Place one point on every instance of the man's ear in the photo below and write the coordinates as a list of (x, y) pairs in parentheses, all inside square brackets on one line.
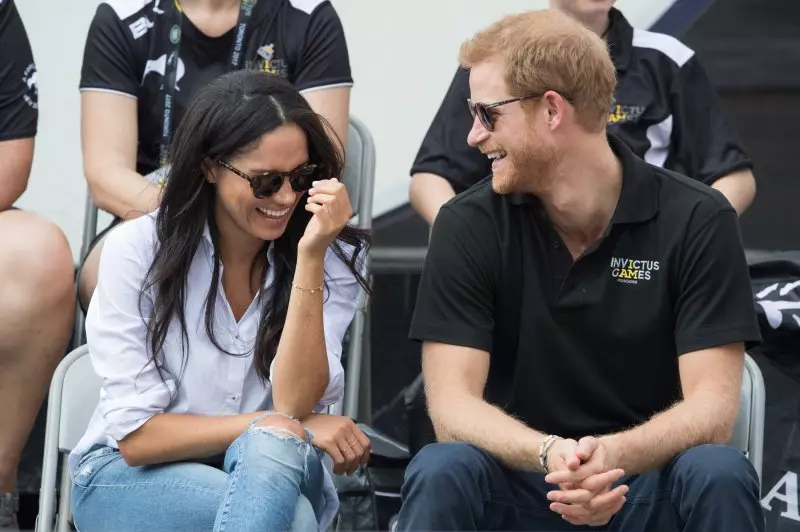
[(555, 105)]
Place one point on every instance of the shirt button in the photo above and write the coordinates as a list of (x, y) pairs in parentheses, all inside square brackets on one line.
[(556, 244)]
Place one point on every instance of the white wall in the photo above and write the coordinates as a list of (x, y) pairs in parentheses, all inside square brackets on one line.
[(403, 56)]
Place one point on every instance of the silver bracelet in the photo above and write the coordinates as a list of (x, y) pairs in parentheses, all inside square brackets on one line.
[(546, 443)]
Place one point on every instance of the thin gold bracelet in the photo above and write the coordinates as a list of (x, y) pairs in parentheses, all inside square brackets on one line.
[(309, 290)]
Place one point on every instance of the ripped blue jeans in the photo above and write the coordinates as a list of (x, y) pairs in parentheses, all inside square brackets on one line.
[(271, 480)]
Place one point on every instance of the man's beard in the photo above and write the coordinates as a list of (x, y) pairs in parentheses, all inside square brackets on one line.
[(528, 168)]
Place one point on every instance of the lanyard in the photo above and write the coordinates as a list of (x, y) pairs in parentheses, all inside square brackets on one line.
[(171, 67)]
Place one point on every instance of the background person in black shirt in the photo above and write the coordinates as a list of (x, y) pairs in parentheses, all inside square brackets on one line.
[(123, 77), (665, 108), (37, 294), (583, 316)]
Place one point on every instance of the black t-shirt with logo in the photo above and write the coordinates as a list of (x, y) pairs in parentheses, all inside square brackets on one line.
[(301, 40), (19, 101), (665, 109), (588, 346)]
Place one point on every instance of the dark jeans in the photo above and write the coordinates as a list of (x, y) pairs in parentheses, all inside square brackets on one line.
[(456, 486)]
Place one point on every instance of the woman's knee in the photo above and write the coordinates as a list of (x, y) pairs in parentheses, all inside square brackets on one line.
[(279, 424)]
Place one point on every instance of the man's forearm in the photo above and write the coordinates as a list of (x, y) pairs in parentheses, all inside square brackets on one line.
[(739, 188), (427, 194), (703, 419), (472, 420)]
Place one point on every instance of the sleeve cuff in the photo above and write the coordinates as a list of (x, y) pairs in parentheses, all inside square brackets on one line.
[(122, 417), (474, 339), (709, 338)]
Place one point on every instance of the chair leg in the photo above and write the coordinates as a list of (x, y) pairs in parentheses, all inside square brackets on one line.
[(64, 518)]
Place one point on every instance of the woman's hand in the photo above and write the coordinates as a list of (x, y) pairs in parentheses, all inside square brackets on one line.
[(330, 205), (341, 438)]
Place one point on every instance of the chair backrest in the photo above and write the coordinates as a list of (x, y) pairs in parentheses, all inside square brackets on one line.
[(359, 173), (748, 432), (80, 393)]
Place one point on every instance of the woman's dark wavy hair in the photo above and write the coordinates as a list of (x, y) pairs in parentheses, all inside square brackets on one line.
[(226, 118)]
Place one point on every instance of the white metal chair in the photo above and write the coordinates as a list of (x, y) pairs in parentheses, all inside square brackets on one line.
[(359, 178), (748, 433), (74, 393)]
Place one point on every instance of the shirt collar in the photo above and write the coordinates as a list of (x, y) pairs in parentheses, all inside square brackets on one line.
[(620, 39), (638, 198)]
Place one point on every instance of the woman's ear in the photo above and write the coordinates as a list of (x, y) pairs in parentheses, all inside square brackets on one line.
[(208, 170)]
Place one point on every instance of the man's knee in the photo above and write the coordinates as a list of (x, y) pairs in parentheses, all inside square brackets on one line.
[(280, 425), (439, 463), (720, 468)]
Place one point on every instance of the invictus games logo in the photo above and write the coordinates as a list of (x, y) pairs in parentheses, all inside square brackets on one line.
[(631, 271), (31, 95), (268, 62), (619, 113)]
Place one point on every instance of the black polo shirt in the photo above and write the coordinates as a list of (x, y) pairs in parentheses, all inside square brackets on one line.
[(19, 95), (588, 346), (665, 109)]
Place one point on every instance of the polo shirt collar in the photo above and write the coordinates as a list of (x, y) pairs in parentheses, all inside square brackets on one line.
[(620, 39), (638, 198)]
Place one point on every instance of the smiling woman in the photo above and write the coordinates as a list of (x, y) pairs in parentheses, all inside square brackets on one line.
[(217, 325)]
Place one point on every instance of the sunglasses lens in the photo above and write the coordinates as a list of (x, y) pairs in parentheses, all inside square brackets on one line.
[(483, 116), (265, 186), (301, 180), (476, 109)]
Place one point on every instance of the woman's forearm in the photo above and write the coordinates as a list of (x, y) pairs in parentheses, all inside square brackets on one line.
[(174, 437), (123, 192), (300, 374)]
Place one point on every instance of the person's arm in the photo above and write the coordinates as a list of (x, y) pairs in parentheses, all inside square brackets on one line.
[(711, 381), (445, 164), (705, 145), (135, 392), (168, 438), (109, 132), (738, 187), (109, 124), (323, 74), (715, 321), (19, 111), (427, 193), (455, 378), (306, 373), (334, 105), (454, 318)]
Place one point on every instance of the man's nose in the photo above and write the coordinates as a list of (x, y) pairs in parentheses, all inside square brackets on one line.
[(478, 134)]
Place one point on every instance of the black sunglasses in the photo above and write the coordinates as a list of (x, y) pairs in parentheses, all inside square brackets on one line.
[(265, 185), (482, 110)]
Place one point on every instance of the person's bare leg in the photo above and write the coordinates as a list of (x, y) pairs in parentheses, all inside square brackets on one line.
[(37, 309), (87, 281)]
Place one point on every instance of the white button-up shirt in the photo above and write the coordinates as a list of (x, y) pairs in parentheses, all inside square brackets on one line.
[(212, 383)]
